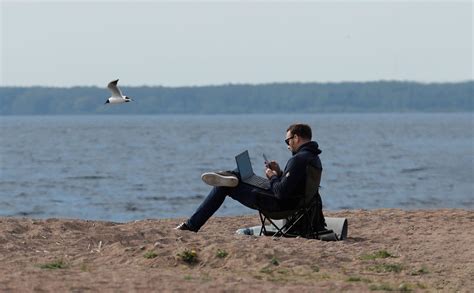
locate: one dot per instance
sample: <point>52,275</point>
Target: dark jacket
<point>289,187</point>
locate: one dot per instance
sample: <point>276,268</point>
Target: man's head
<point>297,135</point>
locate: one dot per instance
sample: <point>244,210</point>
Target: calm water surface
<point>123,168</point>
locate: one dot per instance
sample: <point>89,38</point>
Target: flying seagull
<point>117,97</point>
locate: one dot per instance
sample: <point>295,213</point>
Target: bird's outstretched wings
<point>116,93</point>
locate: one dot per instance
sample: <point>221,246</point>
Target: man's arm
<point>270,173</point>
<point>286,185</point>
<point>275,167</point>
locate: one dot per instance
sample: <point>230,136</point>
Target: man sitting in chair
<point>284,184</point>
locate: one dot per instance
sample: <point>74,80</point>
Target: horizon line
<point>250,84</point>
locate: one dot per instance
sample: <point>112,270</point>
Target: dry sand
<point>430,250</point>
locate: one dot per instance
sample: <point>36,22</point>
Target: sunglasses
<point>287,141</point>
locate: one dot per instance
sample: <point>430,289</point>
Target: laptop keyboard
<point>258,181</point>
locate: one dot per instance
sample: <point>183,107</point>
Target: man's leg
<point>243,193</point>
<point>208,207</point>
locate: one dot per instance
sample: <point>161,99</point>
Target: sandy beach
<point>386,249</point>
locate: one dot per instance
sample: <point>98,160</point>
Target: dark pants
<point>247,195</point>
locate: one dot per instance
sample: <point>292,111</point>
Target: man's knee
<point>223,190</point>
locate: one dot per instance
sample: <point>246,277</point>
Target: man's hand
<point>275,167</point>
<point>270,173</point>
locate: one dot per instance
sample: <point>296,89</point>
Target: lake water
<point>123,168</point>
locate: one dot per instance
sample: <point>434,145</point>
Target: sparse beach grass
<point>221,253</point>
<point>150,254</point>
<point>54,265</point>
<point>188,256</point>
<point>386,267</point>
<point>375,255</point>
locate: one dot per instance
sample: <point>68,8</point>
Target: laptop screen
<point>244,165</point>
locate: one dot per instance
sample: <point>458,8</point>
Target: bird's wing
<point>116,93</point>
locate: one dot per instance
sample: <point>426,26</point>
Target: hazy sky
<point>199,43</point>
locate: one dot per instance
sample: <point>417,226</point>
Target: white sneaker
<point>220,179</point>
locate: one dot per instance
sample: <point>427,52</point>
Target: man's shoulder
<point>298,159</point>
<point>304,155</point>
<point>304,158</point>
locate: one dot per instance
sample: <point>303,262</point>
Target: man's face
<point>290,141</point>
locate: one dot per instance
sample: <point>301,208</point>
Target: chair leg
<point>307,232</point>
<point>310,226</point>
<point>263,230</point>
<point>279,230</point>
<point>287,227</point>
<point>294,222</point>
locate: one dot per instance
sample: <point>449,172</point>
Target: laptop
<point>246,172</point>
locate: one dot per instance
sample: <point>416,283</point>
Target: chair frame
<point>306,209</point>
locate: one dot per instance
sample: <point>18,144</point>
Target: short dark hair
<point>302,130</point>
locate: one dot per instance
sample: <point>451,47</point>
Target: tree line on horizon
<point>378,96</point>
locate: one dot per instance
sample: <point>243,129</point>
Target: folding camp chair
<point>308,211</point>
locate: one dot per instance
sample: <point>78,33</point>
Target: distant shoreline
<point>234,114</point>
<point>344,97</point>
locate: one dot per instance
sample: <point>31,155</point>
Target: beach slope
<point>387,249</point>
